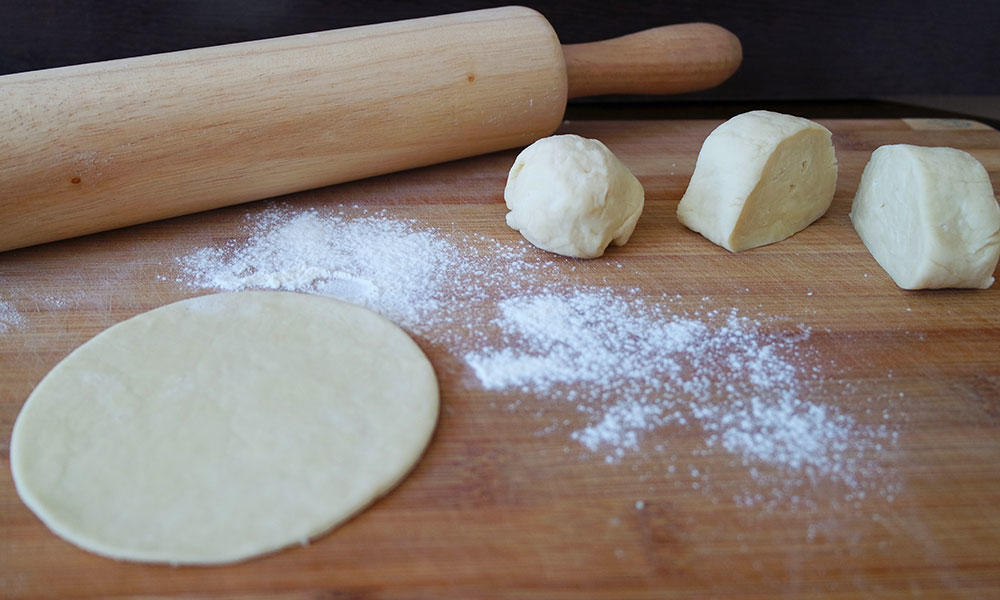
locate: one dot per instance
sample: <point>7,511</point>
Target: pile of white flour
<point>414,276</point>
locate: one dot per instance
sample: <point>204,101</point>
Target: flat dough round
<point>223,427</point>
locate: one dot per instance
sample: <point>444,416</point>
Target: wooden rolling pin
<point>98,146</point>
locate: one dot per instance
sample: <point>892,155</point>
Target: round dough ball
<point>223,427</point>
<point>929,217</point>
<point>572,196</point>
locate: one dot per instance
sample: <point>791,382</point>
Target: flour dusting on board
<point>10,317</point>
<point>410,275</point>
<point>636,368</point>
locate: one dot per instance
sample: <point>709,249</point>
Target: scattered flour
<point>10,317</point>
<point>370,261</point>
<point>410,275</point>
<point>631,365</point>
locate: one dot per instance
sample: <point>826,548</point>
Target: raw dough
<point>759,178</point>
<point>572,196</point>
<point>223,427</point>
<point>929,217</point>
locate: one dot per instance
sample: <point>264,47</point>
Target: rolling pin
<point>93,147</point>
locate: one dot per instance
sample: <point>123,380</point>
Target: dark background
<point>792,51</point>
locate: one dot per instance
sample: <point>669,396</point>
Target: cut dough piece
<point>223,427</point>
<point>929,217</point>
<point>572,196</point>
<point>760,177</point>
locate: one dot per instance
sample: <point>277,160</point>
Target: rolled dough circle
<point>223,427</point>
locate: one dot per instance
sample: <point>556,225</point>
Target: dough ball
<point>929,217</point>
<point>223,427</point>
<point>760,177</point>
<point>572,196</point>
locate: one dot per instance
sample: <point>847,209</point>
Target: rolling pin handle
<point>672,59</point>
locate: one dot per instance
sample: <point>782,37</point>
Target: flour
<point>369,261</point>
<point>580,337</point>
<point>411,275</point>
<point>635,368</point>
<point>10,317</point>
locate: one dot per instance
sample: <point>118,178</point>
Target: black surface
<point>636,109</point>
<point>828,50</point>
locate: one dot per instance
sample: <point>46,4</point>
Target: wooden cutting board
<point>506,503</point>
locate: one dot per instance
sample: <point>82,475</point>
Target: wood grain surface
<point>505,503</point>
